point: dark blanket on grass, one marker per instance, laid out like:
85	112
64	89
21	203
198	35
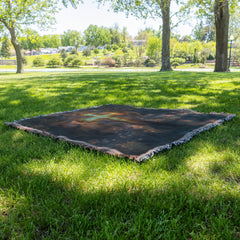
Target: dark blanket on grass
137	133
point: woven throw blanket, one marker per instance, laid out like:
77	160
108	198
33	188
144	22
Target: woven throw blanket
122	130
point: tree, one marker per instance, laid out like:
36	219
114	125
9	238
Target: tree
165	9
124	35
63	54
144	35
205	32
72	38
31	41
234	25
15	15
5	50
144	9
154	48
221	10
97	36
115	35
51	41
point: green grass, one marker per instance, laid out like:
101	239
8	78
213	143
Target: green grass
52	190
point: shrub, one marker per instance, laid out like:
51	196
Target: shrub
76	62
24	60
109	61
109	48
131	46
73	61
126	59
125	50
150	62
203	59
130	63
211	57
178	60
54	62
38	62
86	52
138	62
180	54
119	60
195	56
63	54
68	60
118	52
96	50
153	49
105	52
175	64
74	51
115	46
97	62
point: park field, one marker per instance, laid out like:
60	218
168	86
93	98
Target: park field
53	190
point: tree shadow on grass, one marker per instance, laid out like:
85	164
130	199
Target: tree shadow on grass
71	91
43	205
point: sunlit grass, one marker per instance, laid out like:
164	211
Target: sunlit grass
52	190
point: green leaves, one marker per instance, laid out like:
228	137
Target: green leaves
21	13
97	36
71	38
5	49
74	3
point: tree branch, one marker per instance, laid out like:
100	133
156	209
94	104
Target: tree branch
5	23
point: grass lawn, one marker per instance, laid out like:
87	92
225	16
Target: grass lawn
52	190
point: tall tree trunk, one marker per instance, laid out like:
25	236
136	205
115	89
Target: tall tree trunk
165	8
221	12
17	48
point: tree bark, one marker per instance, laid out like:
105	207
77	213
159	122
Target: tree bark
165	8
17	48
221	12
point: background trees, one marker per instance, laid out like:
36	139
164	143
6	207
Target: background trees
97	36
115	35
31	40
205	32
144	9
72	38
5	49
234	24
210	12
220	11
50	41
15	15
154	47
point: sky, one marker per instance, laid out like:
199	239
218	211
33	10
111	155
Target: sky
88	13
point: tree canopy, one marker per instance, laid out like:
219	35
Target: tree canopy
22	13
17	15
71	38
145	9
97	36
5	49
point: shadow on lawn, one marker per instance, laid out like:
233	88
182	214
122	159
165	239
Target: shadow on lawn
49	207
38	95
